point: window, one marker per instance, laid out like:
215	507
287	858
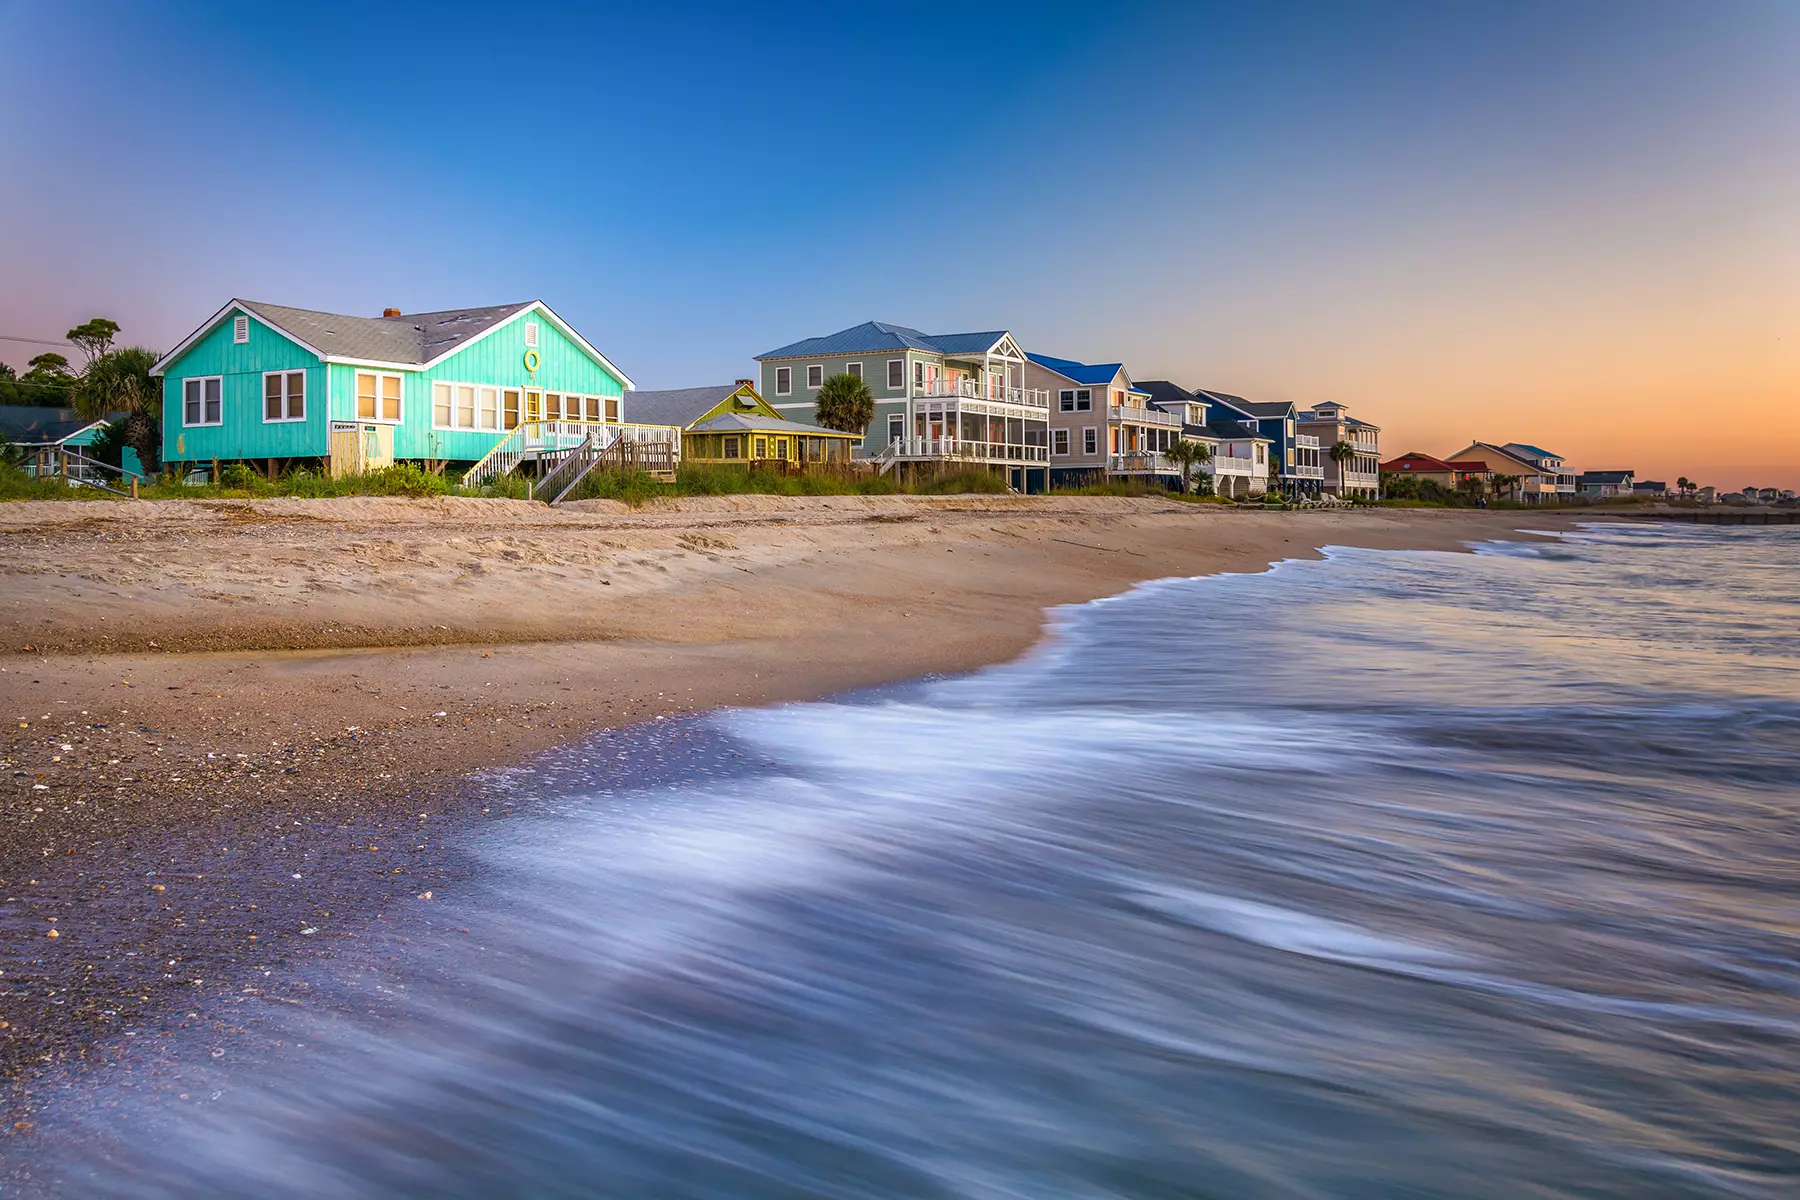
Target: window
284	396
1059	441
202	400
896	373
784	381
531	336
612	408
896	425
593	408
240	329
781	448
465	406
815	375
762	448
732	447
1090	441
552	406
1065	400
377	397
509	409
853	369
1075	400
487	408
918	374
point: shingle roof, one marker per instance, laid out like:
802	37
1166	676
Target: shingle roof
1068	368
876	336
413	338
1256	408
1416	462
754	422
676	406
1161	391
1605	476
1233	431
32	425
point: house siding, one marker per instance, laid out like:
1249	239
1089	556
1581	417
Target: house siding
243	433
800	406
496	360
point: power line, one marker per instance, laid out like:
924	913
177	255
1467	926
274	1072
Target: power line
10	337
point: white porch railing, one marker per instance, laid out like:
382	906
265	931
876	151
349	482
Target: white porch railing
1362	478
1226	464
1305	471
1306	441
1148	462
975	389
961	448
1145	416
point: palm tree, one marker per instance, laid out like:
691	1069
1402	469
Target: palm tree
1188	455
1341	453
845	404
119	381
1683	486
1506	483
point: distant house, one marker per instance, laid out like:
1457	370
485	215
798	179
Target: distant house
275	386
1706	495
1298	457
39	435
731	423
1327	425
1549	462
1650	489
1536	482
1605	484
1452	476
1101	426
939	397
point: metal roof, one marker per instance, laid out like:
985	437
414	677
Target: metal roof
1536	451
874	337
1068	368
32	425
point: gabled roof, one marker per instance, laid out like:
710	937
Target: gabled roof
1068	368
677	406
1162	392
1234	432
1604	476
1270	409
1503	453
1416	462
1535	451
873	337
757	422
414	340
32	425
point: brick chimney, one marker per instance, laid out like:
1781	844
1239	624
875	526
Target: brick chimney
390	312
746	383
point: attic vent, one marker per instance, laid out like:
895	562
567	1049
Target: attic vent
531	334
240	329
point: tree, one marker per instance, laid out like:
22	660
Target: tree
1683	486
46	381
1188	455
119	381
1506	483
845	404
94	337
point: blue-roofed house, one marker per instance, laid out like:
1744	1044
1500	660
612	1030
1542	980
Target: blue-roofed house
1547	461
939	397
1299	469
1101	426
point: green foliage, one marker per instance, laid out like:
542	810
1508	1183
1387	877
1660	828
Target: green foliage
957	483
1187	455
119	381
1399	486
93	337
15	484
846	404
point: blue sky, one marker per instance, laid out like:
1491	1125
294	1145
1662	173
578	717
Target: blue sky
1497	220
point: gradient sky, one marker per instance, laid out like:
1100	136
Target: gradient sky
1571	224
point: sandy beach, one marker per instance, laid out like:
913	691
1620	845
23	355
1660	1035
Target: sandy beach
238	730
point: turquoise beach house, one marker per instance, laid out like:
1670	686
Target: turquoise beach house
276	387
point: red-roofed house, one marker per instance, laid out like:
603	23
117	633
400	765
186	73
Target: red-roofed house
1451	475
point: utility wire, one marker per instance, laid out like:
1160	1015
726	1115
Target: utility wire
10	337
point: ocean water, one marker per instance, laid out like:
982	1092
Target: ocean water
1389	875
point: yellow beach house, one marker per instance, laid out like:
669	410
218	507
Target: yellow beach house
730	423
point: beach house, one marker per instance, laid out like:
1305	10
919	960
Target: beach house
732	424
1296	456
1329	425
59	441
273	387
1606	485
941	399
1535	484
1102	427
1451	476
1548	462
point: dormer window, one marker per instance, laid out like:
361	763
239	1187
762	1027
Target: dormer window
240	329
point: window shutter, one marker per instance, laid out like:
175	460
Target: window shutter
531	336
240	329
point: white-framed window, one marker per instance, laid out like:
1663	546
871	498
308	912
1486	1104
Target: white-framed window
896	427
509	409
1084	400
531	335
284	396
1059	441
240	329
1090	440
203	400
853	369
815	375
918	374
896	373
784	381
378	397
1065	400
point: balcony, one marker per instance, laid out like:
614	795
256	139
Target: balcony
1144	416
1226	464
975	389
964	450
1146	462
1362	478
1305	471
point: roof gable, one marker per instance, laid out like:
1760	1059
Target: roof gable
875	337
690	406
1078	372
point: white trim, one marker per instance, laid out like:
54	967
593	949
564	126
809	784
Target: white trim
213	323
305	397
203	423
1064	452
891	385
1086	430
789	389
240	324
377	419
810	368
858	372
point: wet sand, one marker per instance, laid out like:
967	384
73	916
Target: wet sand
237	733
